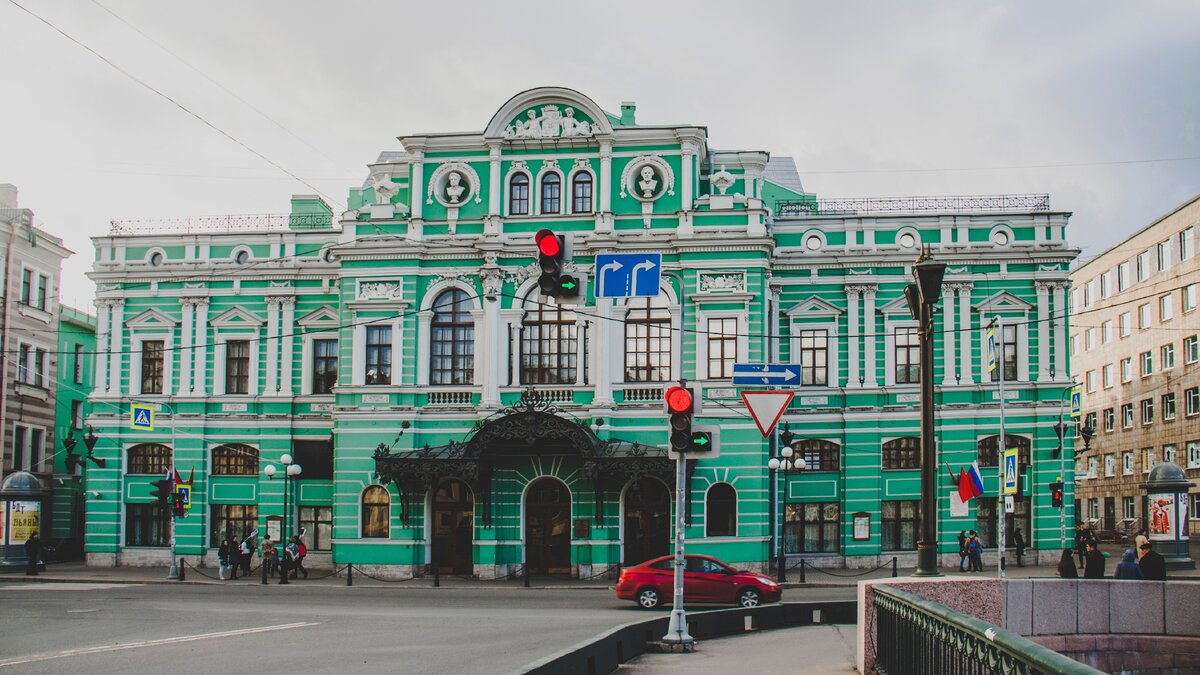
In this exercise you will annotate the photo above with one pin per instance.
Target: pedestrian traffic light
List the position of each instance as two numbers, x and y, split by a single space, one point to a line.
163 493
177 508
1056 494
553 252
680 403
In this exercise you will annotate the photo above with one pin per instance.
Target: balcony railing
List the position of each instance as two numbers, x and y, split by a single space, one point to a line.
226 223
914 635
884 205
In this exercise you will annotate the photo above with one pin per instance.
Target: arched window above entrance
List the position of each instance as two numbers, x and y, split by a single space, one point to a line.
648 340
989 449
452 339
149 458
235 460
549 343
376 504
720 511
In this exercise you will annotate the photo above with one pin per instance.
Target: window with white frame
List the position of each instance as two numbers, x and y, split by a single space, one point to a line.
1123 276
1094 508
1146 358
1110 419
77 414
551 193
722 346
814 357
1093 466
1166 308
1124 324
237 367
1106 375
1168 356
1089 339
1191 401
451 339
153 358
1163 254
324 365
648 345
1009 355
29 448
581 192
1105 284
549 343
377 364
1090 379
1074 344
1193 455
1127 508
908 355
1187 243
1106 332
1148 460
1144 316
1127 369
1169 453
26 286
1191 349
1110 465
1189 295
1143 265
1089 421
1127 415
518 195
1147 406
1168 406
1127 463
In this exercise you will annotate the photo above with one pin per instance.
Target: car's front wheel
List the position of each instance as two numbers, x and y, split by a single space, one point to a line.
749 598
648 598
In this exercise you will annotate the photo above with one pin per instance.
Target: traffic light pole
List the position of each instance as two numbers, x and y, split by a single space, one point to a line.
677 631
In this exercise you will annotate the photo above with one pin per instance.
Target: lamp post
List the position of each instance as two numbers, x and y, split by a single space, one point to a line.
785 464
291 471
922 296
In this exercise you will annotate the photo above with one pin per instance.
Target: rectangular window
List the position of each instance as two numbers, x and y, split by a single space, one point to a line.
1127 463
1191 401
1074 344
325 366
43 288
1168 356
1144 316
647 343
1123 276
908 356
23 369
1193 457
1189 294
1110 465
1127 415
20 458
722 347
581 192
379 355
812 528
1169 453
1187 243
1089 339
1110 419
39 367
1106 332
1168 406
152 367
1166 308
1124 324
317 522
1093 467
1008 355
1127 508
1147 405
147 525
1107 375
26 286
37 449
1191 349
1148 460
1143 265
1093 509
1089 421
1105 284
237 367
1090 379
232 520
78 363
899 523
77 415
1147 361
1127 369
1163 254
814 357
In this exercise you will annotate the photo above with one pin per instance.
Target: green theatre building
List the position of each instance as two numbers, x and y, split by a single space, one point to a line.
445 414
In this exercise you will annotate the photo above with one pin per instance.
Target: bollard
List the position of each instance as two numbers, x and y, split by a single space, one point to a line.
437 578
894 567
182 564
802 570
525 573
349 574
263 565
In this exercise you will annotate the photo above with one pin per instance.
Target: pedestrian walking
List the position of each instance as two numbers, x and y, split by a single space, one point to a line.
1128 567
33 552
974 552
1066 565
270 556
1154 567
962 549
1019 543
1094 562
223 559
235 557
247 555
1083 535
290 552
301 552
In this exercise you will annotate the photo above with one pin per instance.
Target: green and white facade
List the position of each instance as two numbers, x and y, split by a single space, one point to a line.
445 414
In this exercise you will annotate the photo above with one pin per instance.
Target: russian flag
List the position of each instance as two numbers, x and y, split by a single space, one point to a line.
970 483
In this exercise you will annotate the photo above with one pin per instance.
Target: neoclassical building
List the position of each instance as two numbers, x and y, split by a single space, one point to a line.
448 415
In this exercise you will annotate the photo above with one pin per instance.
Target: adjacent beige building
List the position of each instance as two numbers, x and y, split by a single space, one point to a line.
1135 346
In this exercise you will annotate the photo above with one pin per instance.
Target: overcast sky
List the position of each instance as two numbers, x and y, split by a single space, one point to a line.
871 98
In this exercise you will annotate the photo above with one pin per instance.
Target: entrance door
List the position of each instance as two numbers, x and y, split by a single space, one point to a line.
647 531
453 528
548 527
1110 513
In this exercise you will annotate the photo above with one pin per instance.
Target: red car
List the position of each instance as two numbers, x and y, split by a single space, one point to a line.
705 580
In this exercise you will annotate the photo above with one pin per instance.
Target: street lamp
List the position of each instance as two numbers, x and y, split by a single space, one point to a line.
786 464
90 442
291 471
922 296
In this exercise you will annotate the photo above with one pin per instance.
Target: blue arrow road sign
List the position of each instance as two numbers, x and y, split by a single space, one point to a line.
628 275
766 373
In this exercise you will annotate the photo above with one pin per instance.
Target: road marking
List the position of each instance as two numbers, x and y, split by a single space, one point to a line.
64 587
149 643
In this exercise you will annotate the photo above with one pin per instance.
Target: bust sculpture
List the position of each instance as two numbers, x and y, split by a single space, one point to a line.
648 183
454 188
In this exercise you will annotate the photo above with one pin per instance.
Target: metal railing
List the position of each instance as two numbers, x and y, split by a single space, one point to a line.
867 205
226 223
914 635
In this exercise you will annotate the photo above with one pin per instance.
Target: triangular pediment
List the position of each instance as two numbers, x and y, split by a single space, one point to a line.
237 318
151 318
322 317
897 306
814 307
1003 302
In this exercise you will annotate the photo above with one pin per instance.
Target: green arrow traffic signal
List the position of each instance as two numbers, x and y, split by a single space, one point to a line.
568 286
701 440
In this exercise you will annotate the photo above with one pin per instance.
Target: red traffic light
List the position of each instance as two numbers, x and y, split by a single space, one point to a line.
679 400
548 244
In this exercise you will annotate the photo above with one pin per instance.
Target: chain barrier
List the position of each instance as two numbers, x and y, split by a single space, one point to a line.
512 575
184 563
810 569
336 571
606 573
368 575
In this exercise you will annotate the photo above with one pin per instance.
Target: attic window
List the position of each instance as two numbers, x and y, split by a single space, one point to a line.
812 243
241 257
1000 238
156 259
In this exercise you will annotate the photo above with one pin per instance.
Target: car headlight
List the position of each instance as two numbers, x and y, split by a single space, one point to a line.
766 582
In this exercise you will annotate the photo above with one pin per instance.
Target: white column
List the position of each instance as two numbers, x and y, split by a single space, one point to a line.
602 351
1043 330
949 337
199 379
1060 331
169 346
272 347
416 185
869 324
490 352
853 324
966 333
605 177
424 338
685 174
116 363
287 344
581 335
495 189
185 347
514 351
103 307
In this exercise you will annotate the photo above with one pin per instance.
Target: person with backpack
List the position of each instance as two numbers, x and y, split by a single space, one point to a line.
247 555
301 552
270 556
975 552
290 553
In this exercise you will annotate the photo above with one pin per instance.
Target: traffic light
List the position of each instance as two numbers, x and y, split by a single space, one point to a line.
163 493
553 252
1056 494
177 508
681 407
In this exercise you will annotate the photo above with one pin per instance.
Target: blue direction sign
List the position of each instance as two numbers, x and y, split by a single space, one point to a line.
628 275
766 373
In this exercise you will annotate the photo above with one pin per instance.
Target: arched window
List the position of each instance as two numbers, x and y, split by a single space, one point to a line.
902 453
518 195
235 460
452 339
149 458
648 341
581 192
720 511
989 449
551 193
818 455
549 343
376 503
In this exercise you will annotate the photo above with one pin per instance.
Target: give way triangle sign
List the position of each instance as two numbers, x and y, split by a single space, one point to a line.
766 407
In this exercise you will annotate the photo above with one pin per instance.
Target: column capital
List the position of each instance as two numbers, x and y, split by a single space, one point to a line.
860 287
958 286
1044 286
110 302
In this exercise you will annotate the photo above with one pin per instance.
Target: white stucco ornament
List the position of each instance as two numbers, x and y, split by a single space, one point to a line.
453 184
552 123
385 189
379 290
647 177
722 180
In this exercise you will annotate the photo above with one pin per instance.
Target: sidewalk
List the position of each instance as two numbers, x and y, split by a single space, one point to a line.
822 648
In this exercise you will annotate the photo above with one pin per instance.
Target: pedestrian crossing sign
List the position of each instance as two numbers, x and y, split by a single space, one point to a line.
991 350
1011 475
141 417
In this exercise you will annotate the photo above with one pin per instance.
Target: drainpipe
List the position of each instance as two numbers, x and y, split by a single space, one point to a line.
6 298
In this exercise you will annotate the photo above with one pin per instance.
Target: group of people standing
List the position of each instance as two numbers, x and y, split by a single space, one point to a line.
1141 563
234 555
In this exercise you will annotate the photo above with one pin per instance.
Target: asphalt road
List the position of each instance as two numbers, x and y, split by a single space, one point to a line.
236 628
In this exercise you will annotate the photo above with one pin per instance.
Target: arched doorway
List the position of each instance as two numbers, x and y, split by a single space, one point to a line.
647 527
548 527
453 528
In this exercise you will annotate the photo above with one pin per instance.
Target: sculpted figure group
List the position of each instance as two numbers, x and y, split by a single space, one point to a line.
551 124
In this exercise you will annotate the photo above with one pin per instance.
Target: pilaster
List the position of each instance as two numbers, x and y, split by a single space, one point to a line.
199 378
869 327
188 307
287 344
854 330
1044 328
950 338
272 345
965 332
